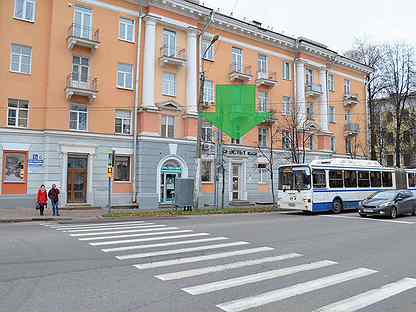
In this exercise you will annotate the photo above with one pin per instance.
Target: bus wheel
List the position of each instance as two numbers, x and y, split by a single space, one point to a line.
337 206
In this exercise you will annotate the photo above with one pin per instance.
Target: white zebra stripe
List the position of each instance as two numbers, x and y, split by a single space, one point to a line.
133 235
123 232
59 226
137 240
115 228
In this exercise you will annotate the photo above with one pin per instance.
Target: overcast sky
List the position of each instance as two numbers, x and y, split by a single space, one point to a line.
334 23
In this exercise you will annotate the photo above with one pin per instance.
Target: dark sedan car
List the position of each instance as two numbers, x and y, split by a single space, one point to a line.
388 203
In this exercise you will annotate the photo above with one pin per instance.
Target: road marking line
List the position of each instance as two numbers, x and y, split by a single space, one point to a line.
291 291
123 232
371 219
223 267
254 278
102 227
127 241
132 235
194 241
115 228
94 224
370 297
221 255
181 250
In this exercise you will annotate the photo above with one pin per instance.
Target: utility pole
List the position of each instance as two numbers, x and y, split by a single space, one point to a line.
200 104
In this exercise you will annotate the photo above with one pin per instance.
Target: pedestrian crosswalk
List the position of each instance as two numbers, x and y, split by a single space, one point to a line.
172 253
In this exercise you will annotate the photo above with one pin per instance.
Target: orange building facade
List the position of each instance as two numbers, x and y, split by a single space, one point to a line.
82 79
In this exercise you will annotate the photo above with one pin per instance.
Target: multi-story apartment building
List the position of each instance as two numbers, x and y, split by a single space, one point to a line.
83 78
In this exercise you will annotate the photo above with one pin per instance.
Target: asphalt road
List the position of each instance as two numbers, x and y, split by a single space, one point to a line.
265 262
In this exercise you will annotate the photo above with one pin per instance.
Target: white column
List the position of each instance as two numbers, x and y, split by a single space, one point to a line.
300 91
192 72
149 64
324 100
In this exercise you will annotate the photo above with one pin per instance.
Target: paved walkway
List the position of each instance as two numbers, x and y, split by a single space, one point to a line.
25 214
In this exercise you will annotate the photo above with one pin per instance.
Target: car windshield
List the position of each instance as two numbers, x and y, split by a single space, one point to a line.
294 178
388 195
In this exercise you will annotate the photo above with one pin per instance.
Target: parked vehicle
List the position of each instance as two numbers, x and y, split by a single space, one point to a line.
388 203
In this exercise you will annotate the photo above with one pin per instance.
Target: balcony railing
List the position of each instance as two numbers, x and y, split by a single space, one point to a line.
313 89
170 56
240 72
351 99
83 36
266 79
352 128
86 88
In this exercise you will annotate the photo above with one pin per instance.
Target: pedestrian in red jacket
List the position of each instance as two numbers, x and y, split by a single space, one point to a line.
42 199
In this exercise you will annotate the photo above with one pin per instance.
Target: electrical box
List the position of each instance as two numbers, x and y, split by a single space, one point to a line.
184 193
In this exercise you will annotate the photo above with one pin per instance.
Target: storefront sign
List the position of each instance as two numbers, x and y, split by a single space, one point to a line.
238 152
171 169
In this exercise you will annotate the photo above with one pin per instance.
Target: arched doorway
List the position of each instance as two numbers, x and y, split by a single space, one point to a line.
169 171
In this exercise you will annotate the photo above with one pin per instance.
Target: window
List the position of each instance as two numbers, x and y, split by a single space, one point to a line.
206 170
80 71
309 111
263 101
286 105
125 76
331 82
235 141
25 10
286 140
82 23
123 122
78 118
237 55
350 178
348 145
168 126
262 64
363 179
390 160
209 54
169 42
122 168
208 91
262 168
21 59
387 179
411 177
348 117
336 179
319 178
127 29
14 166
309 77
206 132
169 84
332 118
333 144
263 134
347 87
286 71
17 114
375 179
311 143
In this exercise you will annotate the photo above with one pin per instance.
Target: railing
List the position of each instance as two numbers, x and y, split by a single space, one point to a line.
266 76
316 88
173 53
240 69
352 127
351 97
89 85
84 32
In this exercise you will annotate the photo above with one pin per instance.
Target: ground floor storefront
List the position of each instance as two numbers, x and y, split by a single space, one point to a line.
77 163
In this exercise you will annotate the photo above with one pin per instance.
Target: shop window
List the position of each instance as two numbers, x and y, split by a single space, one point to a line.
206 171
262 168
122 169
14 168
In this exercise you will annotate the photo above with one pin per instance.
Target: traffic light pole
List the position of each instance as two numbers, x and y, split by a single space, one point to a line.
111 161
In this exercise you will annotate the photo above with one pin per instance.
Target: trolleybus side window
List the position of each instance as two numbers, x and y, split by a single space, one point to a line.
387 179
350 178
411 177
375 179
363 179
336 179
319 178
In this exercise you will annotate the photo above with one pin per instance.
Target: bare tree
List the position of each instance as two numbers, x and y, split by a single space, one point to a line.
370 54
399 73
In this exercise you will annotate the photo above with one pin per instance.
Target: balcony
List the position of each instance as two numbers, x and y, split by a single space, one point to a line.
81 88
82 36
172 57
313 90
351 99
266 79
351 128
240 73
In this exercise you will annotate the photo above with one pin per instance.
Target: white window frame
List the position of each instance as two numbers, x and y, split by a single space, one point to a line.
209 91
347 87
331 82
333 144
310 111
263 137
211 173
123 121
237 59
20 56
263 101
169 84
18 109
287 100
207 130
262 172
263 64
78 112
165 121
125 75
210 53
170 42
23 18
309 76
126 23
287 71
332 114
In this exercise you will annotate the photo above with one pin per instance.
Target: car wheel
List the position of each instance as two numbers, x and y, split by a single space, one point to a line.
363 215
337 206
393 213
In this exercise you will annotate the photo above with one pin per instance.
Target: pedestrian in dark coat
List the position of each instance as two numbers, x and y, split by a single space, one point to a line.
53 195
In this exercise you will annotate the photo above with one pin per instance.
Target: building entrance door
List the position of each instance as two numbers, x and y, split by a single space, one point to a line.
169 172
77 176
236 179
